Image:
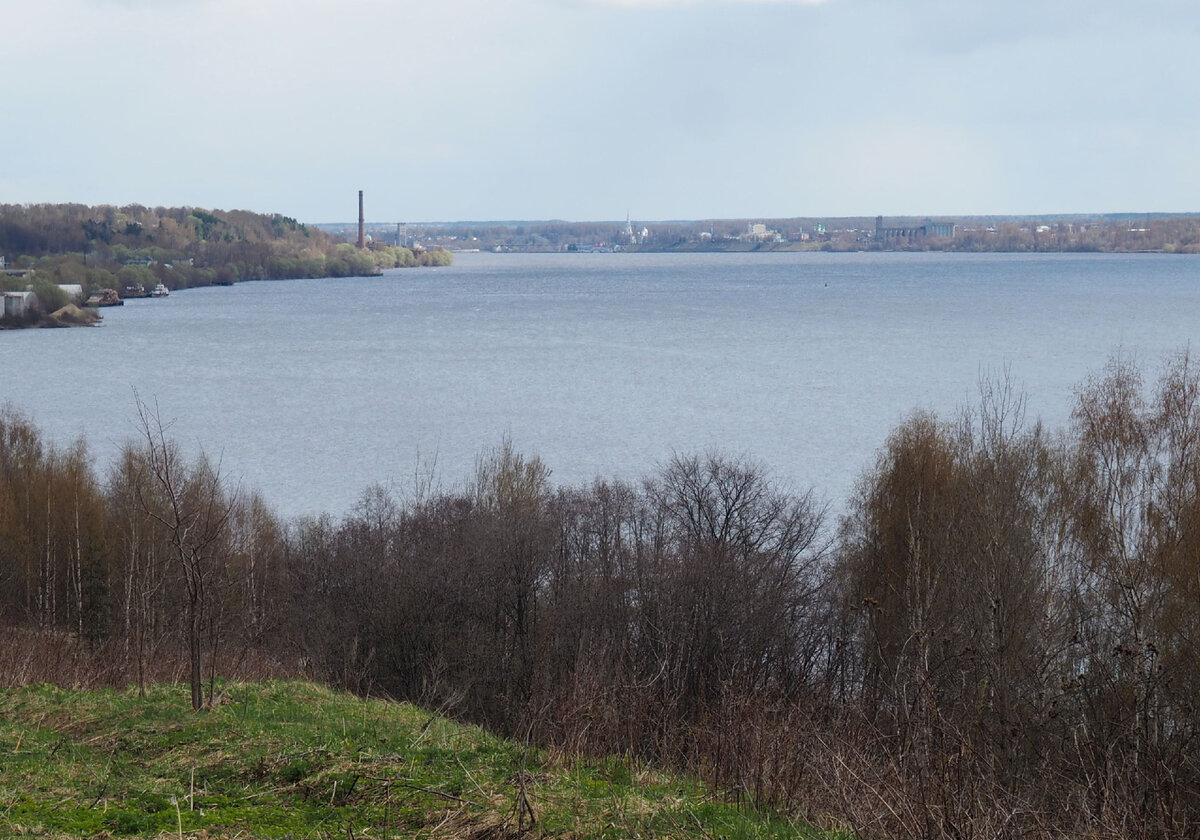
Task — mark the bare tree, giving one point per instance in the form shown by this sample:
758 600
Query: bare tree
191 503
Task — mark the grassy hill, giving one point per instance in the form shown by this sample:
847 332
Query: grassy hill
292 759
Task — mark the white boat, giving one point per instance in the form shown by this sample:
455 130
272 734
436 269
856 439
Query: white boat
160 291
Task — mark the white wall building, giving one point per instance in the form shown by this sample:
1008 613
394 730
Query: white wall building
16 304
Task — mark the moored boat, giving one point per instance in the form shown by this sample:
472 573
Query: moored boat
104 297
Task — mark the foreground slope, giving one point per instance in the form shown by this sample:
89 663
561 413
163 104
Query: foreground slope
292 759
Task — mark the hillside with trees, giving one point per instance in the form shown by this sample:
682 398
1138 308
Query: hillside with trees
133 246
1001 637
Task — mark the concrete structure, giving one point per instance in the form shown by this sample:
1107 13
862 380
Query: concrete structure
73 291
362 226
17 304
759 232
928 228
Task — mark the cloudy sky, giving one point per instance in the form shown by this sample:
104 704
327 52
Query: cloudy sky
592 109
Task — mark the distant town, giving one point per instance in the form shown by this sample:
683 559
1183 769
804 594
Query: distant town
1147 232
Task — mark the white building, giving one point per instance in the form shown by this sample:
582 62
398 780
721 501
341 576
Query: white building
73 291
16 304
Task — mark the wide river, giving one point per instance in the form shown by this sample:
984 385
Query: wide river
601 364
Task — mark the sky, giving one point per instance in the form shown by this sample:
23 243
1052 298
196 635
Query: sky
594 110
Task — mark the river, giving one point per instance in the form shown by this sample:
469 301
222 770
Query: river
601 364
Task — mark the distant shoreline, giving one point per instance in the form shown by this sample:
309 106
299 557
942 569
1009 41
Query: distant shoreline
1167 233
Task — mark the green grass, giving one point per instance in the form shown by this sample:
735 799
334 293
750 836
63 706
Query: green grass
295 760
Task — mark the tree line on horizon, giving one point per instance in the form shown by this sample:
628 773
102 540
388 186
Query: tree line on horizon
999 638
1110 233
181 247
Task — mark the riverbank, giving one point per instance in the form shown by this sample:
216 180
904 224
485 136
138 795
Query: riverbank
67 316
92 249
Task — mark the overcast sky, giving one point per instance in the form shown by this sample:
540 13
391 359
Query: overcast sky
594 109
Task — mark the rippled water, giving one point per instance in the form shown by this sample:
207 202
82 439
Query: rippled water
602 364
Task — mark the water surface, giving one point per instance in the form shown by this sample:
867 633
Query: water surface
602 364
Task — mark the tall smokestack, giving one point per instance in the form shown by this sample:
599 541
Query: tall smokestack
362 227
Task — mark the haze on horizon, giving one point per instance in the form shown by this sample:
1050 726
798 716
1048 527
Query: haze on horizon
592 109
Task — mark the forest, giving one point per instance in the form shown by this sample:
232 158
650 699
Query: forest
997 638
116 248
